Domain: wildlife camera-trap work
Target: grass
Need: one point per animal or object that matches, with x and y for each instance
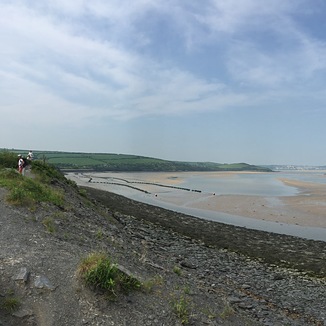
(209, 313)
(99, 234)
(227, 311)
(177, 270)
(10, 304)
(26, 191)
(8, 159)
(181, 307)
(150, 284)
(186, 289)
(97, 270)
(82, 192)
(49, 224)
(47, 173)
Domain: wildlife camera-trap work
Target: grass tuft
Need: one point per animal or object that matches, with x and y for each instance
(97, 270)
(10, 304)
(150, 284)
(177, 270)
(227, 312)
(49, 224)
(181, 307)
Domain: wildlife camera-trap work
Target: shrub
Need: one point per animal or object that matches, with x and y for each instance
(8, 159)
(46, 172)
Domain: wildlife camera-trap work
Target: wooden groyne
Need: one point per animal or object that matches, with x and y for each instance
(142, 182)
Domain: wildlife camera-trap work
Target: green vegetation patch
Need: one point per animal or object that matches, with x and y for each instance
(49, 224)
(177, 270)
(27, 191)
(46, 173)
(98, 270)
(181, 307)
(8, 159)
(10, 304)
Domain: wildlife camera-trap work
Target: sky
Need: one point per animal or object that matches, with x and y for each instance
(224, 81)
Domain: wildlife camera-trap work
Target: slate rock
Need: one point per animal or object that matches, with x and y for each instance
(42, 282)
(22, 275)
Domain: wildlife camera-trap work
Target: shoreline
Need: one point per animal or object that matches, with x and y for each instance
(272, 248)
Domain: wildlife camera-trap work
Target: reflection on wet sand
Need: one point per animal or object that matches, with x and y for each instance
(306, 208)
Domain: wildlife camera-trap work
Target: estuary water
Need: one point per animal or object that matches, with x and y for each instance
(167, 189)
(253, 184)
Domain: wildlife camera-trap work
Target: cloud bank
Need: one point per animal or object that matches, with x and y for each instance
(98, 59)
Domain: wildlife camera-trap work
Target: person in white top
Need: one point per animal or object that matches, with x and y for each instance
(21, 165)
(30, 156)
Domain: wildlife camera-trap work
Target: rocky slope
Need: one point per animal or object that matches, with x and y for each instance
(190, 269)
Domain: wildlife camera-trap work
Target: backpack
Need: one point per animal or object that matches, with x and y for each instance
(25, 162)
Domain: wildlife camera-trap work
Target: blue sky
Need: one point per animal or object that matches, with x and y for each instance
(202, 80)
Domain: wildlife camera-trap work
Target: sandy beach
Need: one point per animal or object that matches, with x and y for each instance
(306, 208)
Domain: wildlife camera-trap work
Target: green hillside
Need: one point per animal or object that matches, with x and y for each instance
(123, 162)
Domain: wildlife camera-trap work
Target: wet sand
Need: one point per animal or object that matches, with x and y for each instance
(307, 208)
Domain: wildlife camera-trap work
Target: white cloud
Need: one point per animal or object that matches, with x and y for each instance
(58, 70)
(279, 68)
(53, 58)
(30, 104)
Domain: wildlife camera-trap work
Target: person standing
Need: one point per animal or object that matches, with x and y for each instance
(30, 156)
(21, 164)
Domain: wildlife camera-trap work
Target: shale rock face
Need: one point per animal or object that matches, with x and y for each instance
(188, 277)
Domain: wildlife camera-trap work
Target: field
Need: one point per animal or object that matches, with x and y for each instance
(124, 162)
